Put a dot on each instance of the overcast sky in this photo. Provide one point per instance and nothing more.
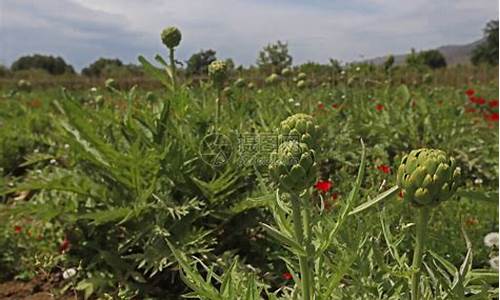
(83, 30)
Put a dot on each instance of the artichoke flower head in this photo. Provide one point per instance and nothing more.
(217, 70)
(427, 177)
(300, 127)
(293, 166)
(171, 37)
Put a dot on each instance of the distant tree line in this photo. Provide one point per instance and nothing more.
(53, 65)
(273, 58)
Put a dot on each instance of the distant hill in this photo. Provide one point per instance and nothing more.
(454, 54)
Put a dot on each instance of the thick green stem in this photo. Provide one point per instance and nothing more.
(421, 226)
(217, 108)
(299, 235)
(308, 276)
(172, 66)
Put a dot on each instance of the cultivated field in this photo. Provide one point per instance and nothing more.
(305, 182)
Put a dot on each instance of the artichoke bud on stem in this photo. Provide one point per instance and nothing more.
(293, 167)
(171, 38)
(217, 71)
(426, 177)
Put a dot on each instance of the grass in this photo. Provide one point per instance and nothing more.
(118, 174)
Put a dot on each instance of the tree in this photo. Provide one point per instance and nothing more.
(433, 59)
(335, 65)
(4, 71)
(52, 65)
(389, 62)
(413, 59)
(487, 52)
(274, 57)
(97, 68)
(198, 63)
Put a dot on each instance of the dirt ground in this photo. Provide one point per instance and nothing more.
(35, 289)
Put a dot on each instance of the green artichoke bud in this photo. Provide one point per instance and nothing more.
(300, 127)
(293, 166)
(150, 96)
(286, 72)
(218, 72)
(227, 91)
(301, 76)
(24, 85)
(301, 84)
(273, 78)
(110, 84)
(171, 37)
(427, 177)
(240, 83)
(427, 78)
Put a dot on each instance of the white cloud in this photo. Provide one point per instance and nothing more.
(237, 28)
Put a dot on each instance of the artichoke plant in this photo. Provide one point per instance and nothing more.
(217, 71)
(293, 166)
(286, 72)
(301, 84)
(301, 76)
(427, 177)
(240, 83)
(273, 78)
(171, 37)
(301, 127)
(24, 85)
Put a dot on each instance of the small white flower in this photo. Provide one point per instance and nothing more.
(358, 69)
(93, 89)
(68, 273)
(291, 100)
(342, 73)
(11, 184)
(38, 171)
(66, 146)
(297, 104)
(343, 96)
(36, 150)
(53, 161)
(478, 181)
(491, 239)
(494, 263)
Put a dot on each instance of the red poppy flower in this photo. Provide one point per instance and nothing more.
(335, 105)
(493, 117)
(379, 107)
(323, 185)
(286, 276)
(471, 221)
(401, 195)
(35, 103)
(470, 92)
(18, 229)
(470, 110)
(493, 103)
(480, 101)
(384, 169)
(65, 245)
(321, 106)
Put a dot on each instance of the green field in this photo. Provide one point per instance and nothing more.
(174, 185)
